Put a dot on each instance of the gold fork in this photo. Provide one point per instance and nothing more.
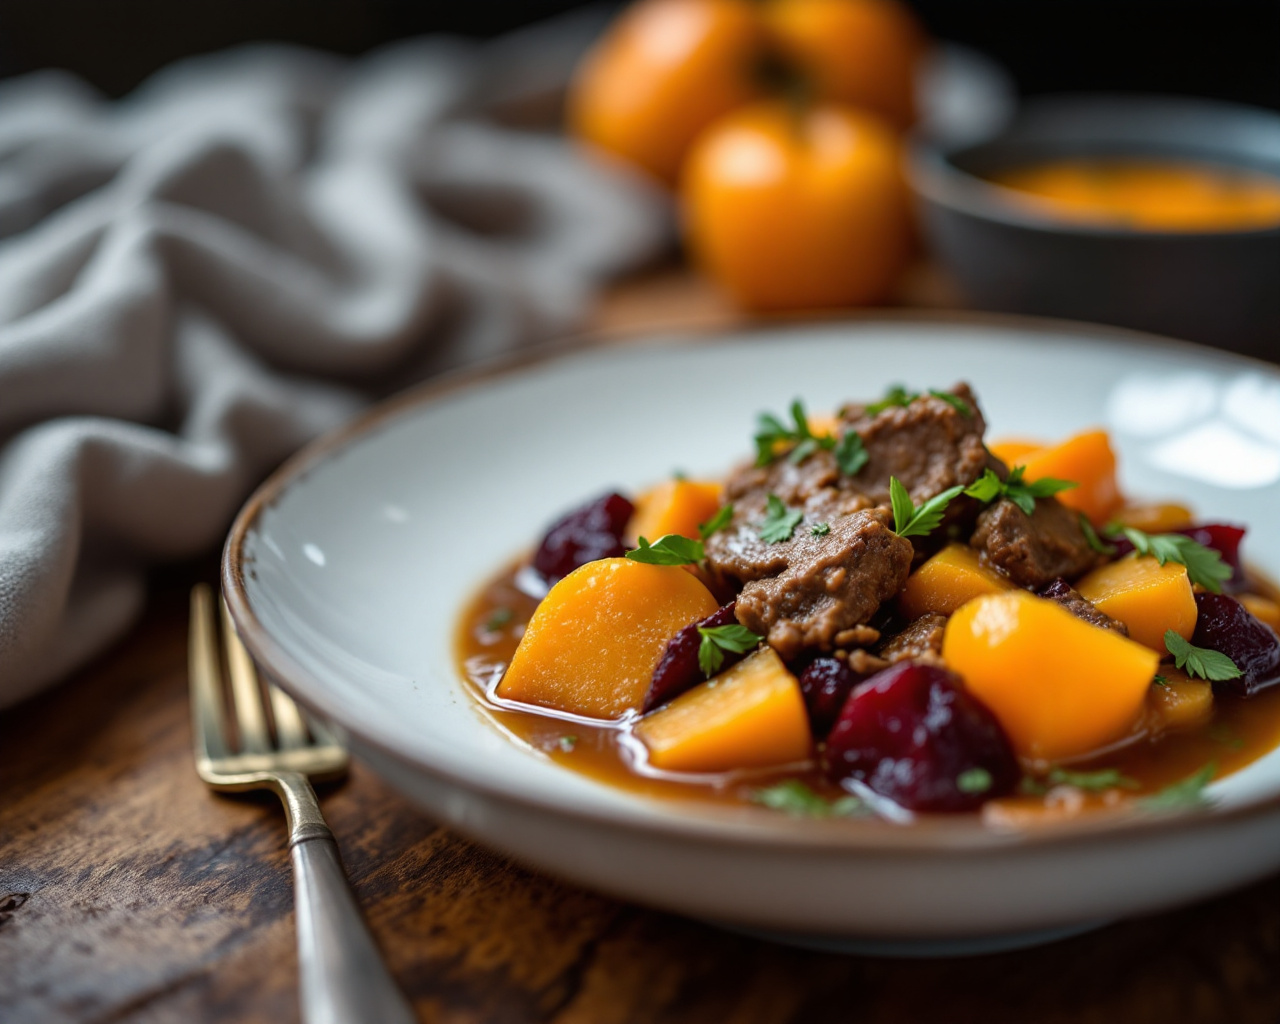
(342, 979)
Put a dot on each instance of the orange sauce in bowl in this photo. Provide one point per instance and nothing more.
(1148, 194)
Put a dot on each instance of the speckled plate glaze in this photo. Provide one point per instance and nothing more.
(346, 571)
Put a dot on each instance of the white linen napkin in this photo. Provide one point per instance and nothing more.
(196, 280)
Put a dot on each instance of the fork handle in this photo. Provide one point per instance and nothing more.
(341, 976)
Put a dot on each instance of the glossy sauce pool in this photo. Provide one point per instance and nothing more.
(491, 624)
(1153, 195)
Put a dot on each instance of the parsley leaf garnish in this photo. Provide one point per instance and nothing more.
(1204, 565)
(717, 522)
(851, 454)
(794, 797)
(567, 743)
(499, 618)
(771, 432)
(896, 395)
(820, 529)
(1022, 493)
(1187, 793)
(1091, 535)
(1095, 781)
(1200, 661)
(974, 780)
(1159, 680)
(900, 396)
(671, 549)
(909, 521)
(779, 522)
(718, 639)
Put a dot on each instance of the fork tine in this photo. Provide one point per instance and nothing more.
(251, 717)
(207, 727)
(291, 730)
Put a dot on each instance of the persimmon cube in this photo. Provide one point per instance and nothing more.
(1088, 461)
(1181, 702)
(952, 577)
(1164, 517)
(677, 506)
(1146, 596)
(751, 716)
(594, 641)
(1060, 687)
(1013, 451)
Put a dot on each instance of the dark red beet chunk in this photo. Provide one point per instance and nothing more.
(911, 734)
(826, 685)
(1226, 541)
(1225, 625)
(593, 531)
(679, 669)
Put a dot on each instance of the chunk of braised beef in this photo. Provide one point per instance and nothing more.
(928, 445)
(826, 684)
(678, 669)
(920, 641)
(912, 734)
(594, 530)
(1081, 607)
(827, 586)
(1223, 624)
(1034, 550)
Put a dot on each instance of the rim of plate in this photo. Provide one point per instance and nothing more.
(931, 833)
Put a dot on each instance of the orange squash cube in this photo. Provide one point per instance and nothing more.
(1262, 608)
(751, 716)
(1086, 459)
(1146, 596)
(1164, 517)
(951, 578)
(1060, 687)
(1180, 703)
(593, 643)
(677, 506)
(1013, 451)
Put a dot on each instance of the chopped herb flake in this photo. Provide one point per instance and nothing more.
(771, 433)
(1185, 794)
(718, 639)
(717, 522)
(974, 780)
(851, 454)
(1094, 782)
(671, 549)
(1091, 535)
(1200, 661)
(820, 529)
(1160, 680)
(989, 487)
(897, 395)
(567, 743)
(794, 797)
(500, 618)
(957, 403)
(910, 521)
(779, 522)
(1204, 565)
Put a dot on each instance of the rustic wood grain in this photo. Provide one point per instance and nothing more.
(128, 892)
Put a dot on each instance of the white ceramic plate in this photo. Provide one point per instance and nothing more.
(347, 571)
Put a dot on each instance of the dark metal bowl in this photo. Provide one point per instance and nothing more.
(1219, 287)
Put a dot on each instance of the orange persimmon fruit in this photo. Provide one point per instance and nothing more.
(1146, 596)
(676, 506)
(664, 71)
(1086, 459)
(798, 208)
(947, 580)
(1060, 687)
(594, 641)
(750, 716)
(862, 53)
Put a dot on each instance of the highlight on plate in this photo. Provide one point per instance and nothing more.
(882, 613)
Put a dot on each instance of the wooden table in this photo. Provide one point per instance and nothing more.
(130, 893)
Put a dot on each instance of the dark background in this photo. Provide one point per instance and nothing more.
(1229, 49)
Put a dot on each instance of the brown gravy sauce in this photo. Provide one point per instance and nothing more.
(492, 623)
